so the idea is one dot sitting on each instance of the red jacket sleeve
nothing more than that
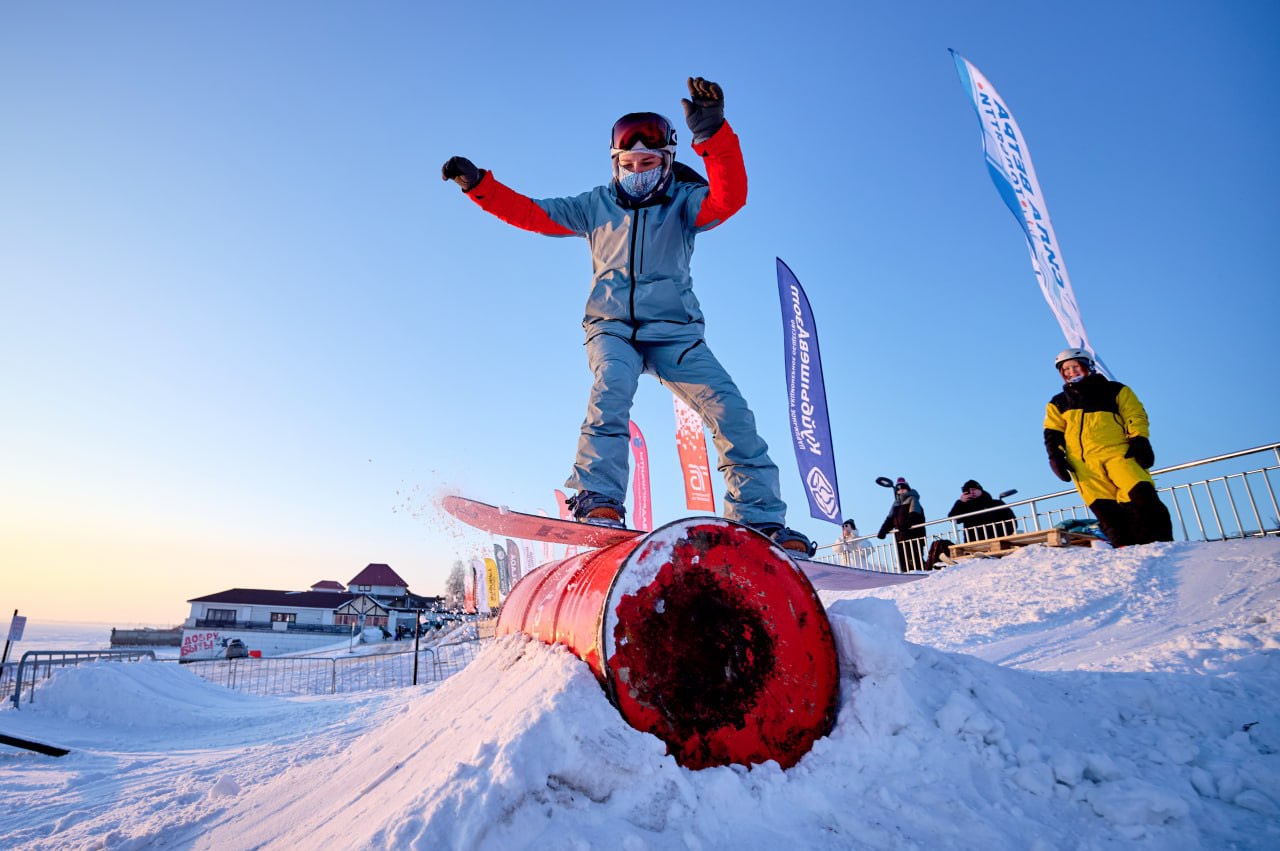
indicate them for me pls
(727, 175)
(514, 208)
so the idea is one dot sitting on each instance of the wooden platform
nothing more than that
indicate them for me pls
(1007, 544)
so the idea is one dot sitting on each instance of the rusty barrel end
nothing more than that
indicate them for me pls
(715, 642)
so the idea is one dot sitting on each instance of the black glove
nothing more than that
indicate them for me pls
(880, 535)
(1058, 463)
(463, 171)
(705, 113)
(1140, 450)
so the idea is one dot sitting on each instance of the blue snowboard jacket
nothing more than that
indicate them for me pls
(641, 289)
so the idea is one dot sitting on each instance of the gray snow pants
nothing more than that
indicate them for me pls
(692, 373)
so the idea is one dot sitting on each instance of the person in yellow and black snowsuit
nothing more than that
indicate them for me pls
(1096, 432)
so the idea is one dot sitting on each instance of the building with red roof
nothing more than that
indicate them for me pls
(287, 621)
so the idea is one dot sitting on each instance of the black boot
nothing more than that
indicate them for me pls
(598, 509)
(1151, 520)
(1115, 522)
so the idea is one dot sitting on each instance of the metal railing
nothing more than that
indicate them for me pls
(286, 676)
(1237, 499)
(40, 665)
(280, 676)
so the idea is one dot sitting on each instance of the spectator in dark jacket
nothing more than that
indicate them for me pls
(995, 520)
(905, 516)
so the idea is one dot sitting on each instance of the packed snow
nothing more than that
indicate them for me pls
(1075, 698)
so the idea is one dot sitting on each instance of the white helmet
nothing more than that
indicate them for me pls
(1073, 354)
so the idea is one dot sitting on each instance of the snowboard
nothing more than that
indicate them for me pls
(500, 520)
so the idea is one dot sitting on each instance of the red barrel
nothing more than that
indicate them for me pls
(702, 632)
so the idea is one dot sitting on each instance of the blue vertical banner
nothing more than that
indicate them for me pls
(504, 572)
(513, 562)
(807, 399)
(1009, 164)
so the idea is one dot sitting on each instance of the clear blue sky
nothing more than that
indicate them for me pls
(248, 333)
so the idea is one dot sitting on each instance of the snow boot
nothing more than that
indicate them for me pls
(788, 539)
(597, 509)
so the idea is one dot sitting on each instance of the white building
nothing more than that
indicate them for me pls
(270, 623)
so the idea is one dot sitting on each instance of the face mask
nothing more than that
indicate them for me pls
(639, 184)
(1075, 378)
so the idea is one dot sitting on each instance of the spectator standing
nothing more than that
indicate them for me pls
(905, 518)
(848, 544)
(995, 520)
(1096, 433)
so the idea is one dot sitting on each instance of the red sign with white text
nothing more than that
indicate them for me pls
(691, 440)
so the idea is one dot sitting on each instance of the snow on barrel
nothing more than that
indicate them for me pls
(703, 633)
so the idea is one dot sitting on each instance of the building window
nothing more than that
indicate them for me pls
(344, 620)
(284, 617)
(365, 588)
(220, 616)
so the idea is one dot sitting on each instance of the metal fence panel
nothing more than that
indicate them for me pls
(1213, 499)
(305, 675)
(280, 676)
(38, 665)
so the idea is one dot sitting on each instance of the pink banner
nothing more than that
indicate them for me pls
(562, 502)
(642, 510)
(691, 440)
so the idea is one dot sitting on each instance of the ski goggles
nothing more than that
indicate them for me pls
(649, 129)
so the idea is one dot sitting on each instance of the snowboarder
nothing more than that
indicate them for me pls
(642, 315)
(1096, 432)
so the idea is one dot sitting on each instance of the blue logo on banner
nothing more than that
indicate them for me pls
(807, 399)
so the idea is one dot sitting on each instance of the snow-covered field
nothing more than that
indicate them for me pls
(1051, 699)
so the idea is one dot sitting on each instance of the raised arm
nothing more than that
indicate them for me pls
(717, 144)
(500, 200)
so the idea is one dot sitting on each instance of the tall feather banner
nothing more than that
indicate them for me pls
(641, 496)
(492, 597)
(513, 564)
(807, 399)
(691, 442)
(471, 597)
(504, 571)
(1009, 165)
